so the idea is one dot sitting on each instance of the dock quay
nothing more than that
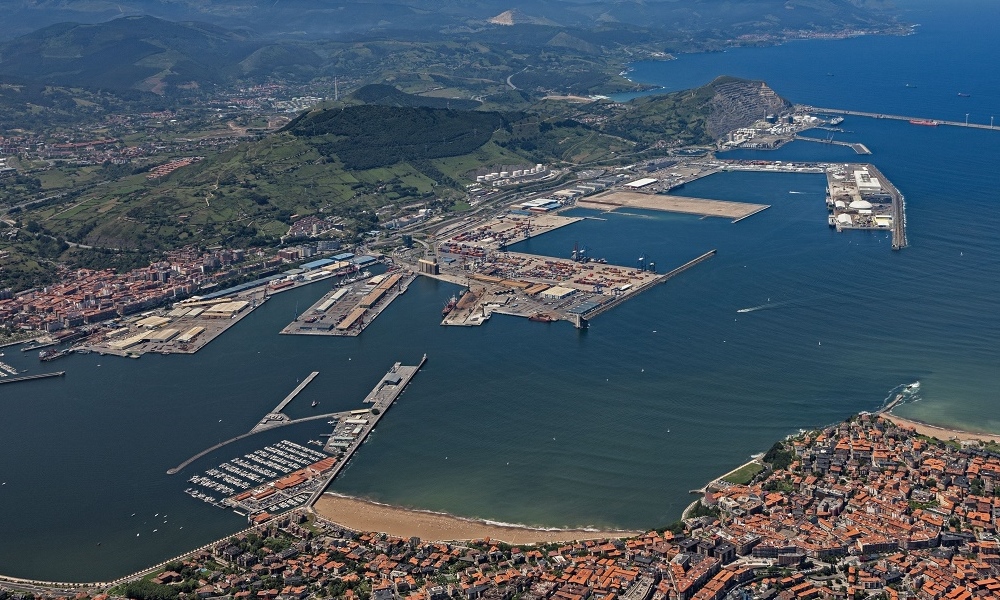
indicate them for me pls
(184, 328)
(616, 199)
(898, 210)
(546, 289)
(858, 113)
(349, 433)
(505, 230)
(39, 344)
(661, 279)
(31, 377)
(347, 310)
(276, 415)
(857, 147)
(859, 196)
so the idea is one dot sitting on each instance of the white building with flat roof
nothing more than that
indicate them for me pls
(641, 183)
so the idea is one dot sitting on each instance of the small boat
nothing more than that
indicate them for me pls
(964, 95)
(314, 403)
(541, 318)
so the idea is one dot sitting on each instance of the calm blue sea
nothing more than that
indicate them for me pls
(545, 425)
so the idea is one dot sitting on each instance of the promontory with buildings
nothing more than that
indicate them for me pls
(864, 508)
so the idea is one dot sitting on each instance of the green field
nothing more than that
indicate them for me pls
(744, 474)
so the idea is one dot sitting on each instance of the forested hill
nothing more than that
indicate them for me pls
(387, 95)
(369, 136)
(697, 116)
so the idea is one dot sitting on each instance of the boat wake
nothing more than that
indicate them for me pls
(901, 394)
(768, 306)
(794, 192)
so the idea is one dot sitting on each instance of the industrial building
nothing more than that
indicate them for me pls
(641, 183)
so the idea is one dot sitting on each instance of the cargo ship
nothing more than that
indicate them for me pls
(47, 355)
(449, 307)
(926, 122)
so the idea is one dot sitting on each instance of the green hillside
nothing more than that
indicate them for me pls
(690, 117)
(368, 136)
(146, 53)
(348, 163)
(358, 163)
(387, 95)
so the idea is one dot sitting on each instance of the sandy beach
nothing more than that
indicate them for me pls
(940, 433)
(361, 515)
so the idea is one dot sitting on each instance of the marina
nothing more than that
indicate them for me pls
(292, 475)
(6, 370)
(285, 475)
(274, 476)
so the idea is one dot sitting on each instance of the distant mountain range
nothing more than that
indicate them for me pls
(145, 53)
(340, 18)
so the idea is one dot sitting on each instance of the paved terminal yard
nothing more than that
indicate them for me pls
(693, 206)
(501, 231)
(860, 197)
(183, 329)
(546, 289)
(346, 310)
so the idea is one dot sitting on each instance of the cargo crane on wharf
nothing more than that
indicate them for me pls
(580, 255)
(644, 264)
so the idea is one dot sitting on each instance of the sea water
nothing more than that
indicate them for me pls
(543, 424)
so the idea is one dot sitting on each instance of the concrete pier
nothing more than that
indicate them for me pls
(613, 303)
(898, 210)
(381, 398)
(30, 377)
(857, 147)
(858, 113)
(347, 310)
(277, 416)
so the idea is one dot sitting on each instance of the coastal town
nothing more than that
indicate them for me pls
(864, 508)
(244, 194)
